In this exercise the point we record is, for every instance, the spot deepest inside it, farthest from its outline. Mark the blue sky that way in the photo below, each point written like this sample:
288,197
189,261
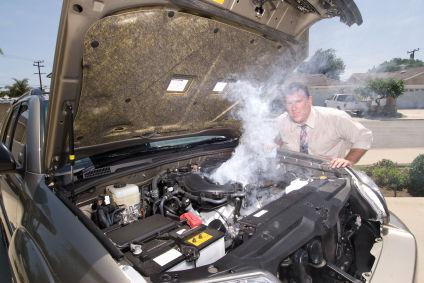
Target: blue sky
28,32
390,28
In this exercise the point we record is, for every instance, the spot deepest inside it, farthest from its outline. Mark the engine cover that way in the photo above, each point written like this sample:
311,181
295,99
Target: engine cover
199,185
280,228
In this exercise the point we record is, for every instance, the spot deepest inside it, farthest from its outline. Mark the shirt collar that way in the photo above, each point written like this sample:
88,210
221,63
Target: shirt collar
310,122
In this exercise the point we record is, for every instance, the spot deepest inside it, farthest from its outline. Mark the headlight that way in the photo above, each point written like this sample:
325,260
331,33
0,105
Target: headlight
252,276
370,192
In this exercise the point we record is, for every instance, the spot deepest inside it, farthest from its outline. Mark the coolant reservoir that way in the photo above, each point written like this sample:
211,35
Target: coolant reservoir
124,194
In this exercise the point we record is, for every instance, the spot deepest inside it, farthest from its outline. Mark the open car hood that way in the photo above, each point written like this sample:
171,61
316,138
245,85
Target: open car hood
115,60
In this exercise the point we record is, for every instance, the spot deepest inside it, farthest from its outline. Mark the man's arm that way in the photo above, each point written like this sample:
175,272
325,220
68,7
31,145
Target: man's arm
355,154
351,158
359,136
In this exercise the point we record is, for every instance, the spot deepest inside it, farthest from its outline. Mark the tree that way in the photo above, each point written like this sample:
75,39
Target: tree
377,89
4,93
397,64
18,88
1,52
324,62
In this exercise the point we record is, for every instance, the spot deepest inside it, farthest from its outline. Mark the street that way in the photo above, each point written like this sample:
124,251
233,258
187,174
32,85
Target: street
396,133
400,140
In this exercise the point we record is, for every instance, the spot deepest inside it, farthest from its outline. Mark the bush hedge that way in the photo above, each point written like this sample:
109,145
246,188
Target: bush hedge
416,176
388,174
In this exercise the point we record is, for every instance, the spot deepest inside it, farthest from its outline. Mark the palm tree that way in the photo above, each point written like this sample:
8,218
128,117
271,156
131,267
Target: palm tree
18,88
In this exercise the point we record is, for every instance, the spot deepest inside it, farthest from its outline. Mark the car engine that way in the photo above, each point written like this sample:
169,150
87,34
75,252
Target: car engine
305,227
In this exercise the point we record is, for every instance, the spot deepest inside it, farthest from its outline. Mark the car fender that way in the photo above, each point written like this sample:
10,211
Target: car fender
26,259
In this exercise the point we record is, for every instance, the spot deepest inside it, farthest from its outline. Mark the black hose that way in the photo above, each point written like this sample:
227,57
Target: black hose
204,199
161,205
102,218
176,217
167,209
112,217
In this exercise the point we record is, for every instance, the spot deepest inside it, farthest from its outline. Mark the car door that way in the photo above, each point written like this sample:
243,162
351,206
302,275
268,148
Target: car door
14,138
351,103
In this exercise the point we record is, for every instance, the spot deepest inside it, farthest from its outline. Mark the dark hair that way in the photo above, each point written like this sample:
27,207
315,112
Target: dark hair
296,86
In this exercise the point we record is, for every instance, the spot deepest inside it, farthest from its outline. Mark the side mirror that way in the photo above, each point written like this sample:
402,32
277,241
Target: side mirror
7,163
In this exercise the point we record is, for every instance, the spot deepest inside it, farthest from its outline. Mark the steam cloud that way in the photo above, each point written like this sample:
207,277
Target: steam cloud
253,160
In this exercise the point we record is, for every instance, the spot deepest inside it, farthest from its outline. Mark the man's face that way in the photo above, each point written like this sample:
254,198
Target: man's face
298,106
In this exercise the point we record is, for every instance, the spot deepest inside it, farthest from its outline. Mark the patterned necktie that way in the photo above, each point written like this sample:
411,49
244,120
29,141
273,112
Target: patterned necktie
303,141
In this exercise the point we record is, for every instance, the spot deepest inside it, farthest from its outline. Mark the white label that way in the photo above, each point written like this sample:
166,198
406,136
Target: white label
167,257
181,231
107,200
260,213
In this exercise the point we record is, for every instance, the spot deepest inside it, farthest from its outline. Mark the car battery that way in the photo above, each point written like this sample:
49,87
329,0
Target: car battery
180,249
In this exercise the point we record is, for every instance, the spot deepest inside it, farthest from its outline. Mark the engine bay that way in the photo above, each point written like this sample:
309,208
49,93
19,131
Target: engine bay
176,222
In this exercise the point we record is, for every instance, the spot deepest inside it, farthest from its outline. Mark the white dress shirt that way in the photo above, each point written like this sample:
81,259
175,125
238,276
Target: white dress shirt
331,133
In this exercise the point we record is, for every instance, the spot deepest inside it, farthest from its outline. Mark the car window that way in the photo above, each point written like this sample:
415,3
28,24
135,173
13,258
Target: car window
9,127
350,98
342,98
15,138
20,132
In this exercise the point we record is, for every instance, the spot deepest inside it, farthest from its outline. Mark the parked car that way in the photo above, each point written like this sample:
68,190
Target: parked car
347,102
107,179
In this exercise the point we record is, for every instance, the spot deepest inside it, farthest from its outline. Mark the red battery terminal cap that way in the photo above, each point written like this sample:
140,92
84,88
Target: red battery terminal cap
192,220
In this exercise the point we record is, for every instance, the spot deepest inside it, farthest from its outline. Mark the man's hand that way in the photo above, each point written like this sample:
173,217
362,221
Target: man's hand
340,163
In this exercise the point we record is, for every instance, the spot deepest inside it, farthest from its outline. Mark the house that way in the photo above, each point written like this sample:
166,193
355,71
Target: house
414,85
320,86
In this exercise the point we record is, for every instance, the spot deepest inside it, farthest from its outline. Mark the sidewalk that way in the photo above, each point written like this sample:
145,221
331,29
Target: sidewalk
416,114
398,155
410,210
407,114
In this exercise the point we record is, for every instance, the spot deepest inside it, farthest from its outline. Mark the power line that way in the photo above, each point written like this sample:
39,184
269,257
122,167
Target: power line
17,57
37,64
9,56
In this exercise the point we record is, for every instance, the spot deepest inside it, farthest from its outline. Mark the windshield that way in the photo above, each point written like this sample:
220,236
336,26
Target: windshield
343,98
184,141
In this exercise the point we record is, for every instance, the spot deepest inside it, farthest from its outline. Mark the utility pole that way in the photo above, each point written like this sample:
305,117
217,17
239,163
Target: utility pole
412,53
37,64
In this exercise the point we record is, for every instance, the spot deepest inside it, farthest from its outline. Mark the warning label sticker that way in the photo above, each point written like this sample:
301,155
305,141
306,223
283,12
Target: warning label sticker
219,1
199,239
167,257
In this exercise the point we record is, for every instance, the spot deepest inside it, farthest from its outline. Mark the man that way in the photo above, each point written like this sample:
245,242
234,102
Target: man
320,131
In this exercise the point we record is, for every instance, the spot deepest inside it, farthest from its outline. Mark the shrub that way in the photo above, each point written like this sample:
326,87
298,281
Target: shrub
385,163
416,176
386,173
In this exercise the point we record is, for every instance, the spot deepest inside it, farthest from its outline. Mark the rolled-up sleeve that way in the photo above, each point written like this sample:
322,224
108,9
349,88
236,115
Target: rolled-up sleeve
354,132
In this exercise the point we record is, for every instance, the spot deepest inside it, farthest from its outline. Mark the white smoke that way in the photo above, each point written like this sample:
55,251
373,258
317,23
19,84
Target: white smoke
254,159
